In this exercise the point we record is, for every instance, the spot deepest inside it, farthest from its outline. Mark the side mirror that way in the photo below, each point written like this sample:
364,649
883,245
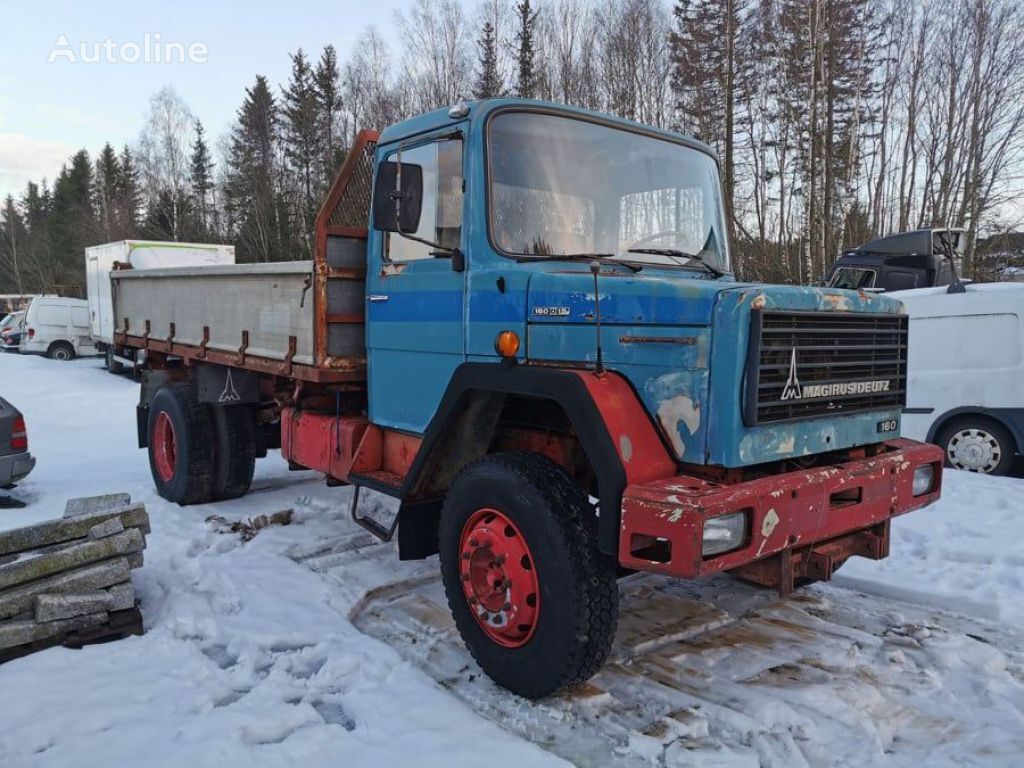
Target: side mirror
398,202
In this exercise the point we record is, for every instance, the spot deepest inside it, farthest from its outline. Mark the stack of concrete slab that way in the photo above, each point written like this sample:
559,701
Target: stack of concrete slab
68,581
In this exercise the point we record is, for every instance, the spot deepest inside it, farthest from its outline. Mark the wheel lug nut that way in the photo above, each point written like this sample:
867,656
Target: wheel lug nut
473,543
507,607
507,583
499,560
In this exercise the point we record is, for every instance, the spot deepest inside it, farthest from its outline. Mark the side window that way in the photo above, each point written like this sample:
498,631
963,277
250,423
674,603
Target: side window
441,216
900,281
50,314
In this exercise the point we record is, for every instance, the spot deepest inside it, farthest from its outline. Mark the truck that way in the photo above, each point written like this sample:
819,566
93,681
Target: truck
521,323
919,259
100,260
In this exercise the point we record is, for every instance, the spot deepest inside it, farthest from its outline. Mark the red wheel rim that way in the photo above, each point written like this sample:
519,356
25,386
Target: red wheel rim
165,447
499,578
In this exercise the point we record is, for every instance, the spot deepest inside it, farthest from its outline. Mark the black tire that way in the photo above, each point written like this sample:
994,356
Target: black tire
61,350
578,596
112,365
994,442
234,429
193,469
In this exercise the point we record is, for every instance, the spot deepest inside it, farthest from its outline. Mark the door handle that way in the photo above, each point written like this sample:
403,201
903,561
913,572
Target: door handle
378,297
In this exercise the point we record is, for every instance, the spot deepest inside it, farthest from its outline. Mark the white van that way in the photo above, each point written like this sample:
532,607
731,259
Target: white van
58,328
100,260
965,373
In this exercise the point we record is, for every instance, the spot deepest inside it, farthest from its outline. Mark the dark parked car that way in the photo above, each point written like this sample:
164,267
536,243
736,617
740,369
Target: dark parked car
15,460
11,329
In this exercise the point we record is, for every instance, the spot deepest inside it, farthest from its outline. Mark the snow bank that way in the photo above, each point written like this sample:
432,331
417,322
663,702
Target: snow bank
964,554
247,659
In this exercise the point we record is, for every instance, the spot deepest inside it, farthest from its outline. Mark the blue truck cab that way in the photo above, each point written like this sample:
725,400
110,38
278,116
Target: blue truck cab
558,376
531,194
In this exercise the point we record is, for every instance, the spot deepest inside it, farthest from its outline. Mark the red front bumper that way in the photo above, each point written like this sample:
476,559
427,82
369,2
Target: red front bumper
801,524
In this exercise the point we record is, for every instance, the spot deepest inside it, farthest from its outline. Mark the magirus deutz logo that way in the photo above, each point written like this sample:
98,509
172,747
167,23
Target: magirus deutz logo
794,391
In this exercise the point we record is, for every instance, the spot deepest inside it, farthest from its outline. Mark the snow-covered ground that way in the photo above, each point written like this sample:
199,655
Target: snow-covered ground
293,649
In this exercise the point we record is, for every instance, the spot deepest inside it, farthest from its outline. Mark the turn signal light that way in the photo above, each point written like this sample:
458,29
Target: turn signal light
507,344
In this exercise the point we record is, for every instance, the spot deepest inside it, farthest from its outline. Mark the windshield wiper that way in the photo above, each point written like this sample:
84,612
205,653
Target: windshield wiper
675,253
581,257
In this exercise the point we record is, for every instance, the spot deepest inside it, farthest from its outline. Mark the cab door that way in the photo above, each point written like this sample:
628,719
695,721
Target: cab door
415,313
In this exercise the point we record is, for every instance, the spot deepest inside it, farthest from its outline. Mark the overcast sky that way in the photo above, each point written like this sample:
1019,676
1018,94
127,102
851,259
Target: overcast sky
50,109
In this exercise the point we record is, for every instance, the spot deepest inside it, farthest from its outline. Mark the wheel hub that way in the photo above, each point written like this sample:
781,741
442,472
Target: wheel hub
499,578
165,448
974,450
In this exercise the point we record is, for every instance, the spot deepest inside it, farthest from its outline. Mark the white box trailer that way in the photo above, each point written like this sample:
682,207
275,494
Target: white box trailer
101,260
965,373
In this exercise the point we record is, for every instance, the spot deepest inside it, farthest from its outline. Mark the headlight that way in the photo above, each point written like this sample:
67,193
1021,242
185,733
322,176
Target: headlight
724,533
924,477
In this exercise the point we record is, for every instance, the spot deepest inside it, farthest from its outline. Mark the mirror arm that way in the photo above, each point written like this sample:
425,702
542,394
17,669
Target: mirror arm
455,254
436,246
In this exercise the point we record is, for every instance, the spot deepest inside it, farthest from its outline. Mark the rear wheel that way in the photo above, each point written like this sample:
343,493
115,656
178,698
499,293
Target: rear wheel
534,600
977,444
112,365
235,432
181,455
61,350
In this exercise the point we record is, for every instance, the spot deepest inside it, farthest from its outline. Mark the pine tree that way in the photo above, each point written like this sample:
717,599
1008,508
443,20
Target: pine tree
36,205
12,242
108,170
252,195
488,80
73,223
300,140
526,81
327,87
705,79
201,181
129,197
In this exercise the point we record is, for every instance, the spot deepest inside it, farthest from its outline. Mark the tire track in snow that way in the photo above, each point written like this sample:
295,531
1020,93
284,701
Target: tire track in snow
719,673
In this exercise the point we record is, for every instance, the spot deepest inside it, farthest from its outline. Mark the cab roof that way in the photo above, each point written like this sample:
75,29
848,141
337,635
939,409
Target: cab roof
478,109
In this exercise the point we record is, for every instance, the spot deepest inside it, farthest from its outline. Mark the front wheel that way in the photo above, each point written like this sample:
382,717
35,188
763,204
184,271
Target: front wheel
535,601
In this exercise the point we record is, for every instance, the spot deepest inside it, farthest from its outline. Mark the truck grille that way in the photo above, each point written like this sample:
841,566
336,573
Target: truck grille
806,364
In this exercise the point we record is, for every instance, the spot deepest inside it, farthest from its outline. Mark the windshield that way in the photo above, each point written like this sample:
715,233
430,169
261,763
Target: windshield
853,278
561,186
